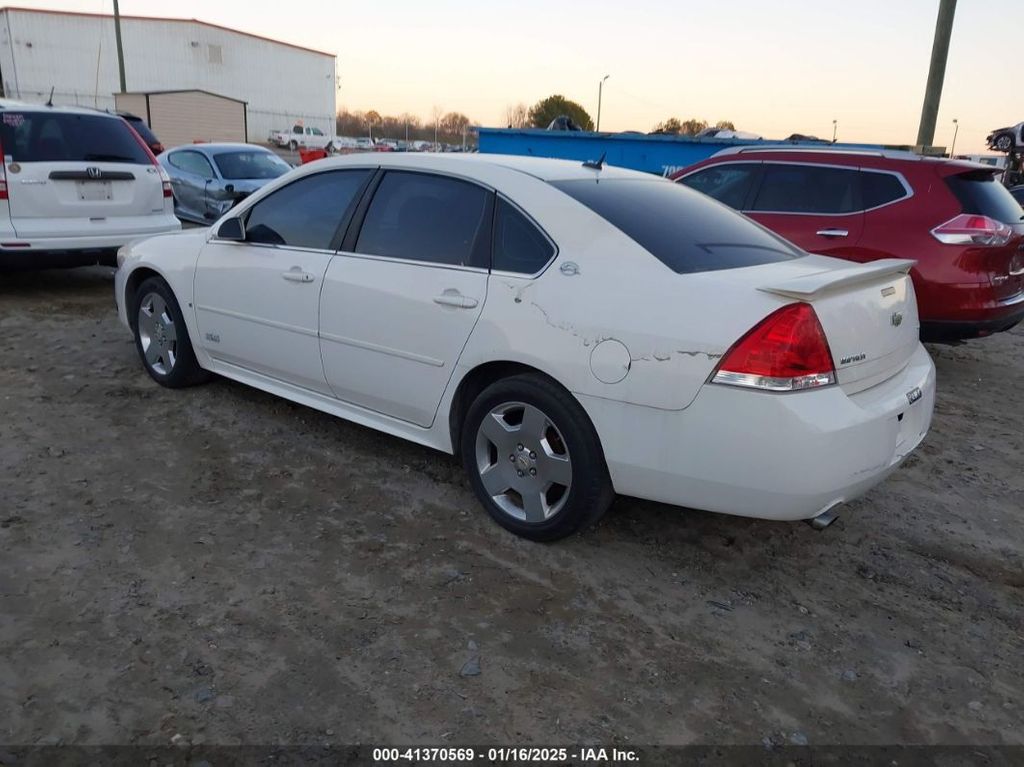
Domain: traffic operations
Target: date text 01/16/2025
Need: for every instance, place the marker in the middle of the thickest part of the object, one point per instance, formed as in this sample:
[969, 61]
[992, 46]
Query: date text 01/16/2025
[504, 754]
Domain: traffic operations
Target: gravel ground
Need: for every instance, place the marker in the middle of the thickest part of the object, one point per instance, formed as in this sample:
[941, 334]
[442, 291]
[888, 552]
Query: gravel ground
[219, 566]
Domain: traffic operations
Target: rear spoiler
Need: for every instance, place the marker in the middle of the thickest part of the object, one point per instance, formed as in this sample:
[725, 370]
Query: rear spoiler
[811, 285]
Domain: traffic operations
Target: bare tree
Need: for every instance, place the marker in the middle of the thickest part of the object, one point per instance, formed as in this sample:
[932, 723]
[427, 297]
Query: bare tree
[517, 115]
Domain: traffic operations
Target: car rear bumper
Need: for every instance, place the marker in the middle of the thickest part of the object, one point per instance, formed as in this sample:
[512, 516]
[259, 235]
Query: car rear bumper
[1003, 315]
[52, 252]
[771, 456]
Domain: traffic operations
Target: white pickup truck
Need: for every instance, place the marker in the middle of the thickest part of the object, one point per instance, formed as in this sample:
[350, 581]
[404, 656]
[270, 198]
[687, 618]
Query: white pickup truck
[301, 137]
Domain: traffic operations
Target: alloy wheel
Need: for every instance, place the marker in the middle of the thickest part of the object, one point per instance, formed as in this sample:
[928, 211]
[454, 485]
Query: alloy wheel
[523, 462]
[157, 334]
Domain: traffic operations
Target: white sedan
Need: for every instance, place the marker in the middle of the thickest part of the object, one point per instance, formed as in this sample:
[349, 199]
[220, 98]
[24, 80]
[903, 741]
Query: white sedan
[570, 331]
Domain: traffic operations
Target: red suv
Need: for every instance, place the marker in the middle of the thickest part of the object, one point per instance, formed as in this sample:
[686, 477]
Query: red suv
[963, 228]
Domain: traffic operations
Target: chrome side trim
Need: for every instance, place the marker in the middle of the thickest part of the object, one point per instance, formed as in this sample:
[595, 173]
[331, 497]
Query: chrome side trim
[257, 320]
[344, 340]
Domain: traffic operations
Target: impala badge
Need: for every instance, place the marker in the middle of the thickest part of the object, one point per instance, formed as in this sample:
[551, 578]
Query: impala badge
[896, 319]
[213, 338]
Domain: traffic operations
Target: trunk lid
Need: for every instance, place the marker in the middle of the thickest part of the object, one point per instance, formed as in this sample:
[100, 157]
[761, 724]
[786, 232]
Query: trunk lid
[868, 313]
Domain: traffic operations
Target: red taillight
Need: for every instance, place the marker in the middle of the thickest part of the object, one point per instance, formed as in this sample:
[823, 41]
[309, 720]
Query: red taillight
[3, 174]
[972, 229]
[786, 351]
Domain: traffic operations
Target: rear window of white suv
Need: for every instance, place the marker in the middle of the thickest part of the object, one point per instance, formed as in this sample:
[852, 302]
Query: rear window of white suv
[54, 136]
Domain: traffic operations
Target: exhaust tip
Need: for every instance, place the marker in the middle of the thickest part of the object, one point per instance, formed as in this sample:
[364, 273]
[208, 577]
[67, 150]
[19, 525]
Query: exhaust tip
[825, 518]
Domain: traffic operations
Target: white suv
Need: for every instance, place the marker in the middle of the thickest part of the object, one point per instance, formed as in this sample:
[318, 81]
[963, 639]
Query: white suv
[76, 185]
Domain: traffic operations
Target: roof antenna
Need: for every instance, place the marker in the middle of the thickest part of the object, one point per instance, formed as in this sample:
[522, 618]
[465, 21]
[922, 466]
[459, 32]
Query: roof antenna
[49, 101]
[598, 164]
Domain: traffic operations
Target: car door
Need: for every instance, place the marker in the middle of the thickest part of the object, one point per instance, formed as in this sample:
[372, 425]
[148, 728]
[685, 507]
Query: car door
[257, 301]
[401, 299]
[191, 176]
[817, 207]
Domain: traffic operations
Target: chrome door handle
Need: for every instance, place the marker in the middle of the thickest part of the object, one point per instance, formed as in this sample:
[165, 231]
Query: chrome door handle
[297, 275]
[456, 299]
[832, 233]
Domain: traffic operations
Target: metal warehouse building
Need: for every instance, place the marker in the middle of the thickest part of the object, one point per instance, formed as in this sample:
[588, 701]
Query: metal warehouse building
[75, 54]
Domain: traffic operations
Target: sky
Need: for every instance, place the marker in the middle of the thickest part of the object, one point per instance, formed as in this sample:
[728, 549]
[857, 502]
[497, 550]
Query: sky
[774, 67]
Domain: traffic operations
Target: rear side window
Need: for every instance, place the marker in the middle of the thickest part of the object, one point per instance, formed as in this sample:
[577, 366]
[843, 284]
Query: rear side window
[684, 230]
[68, 137]
[880, 189]
[306, 213]
[191, 162]
[143, 130]
[807, 189]
[423, 217]
[726, 183]
[979, 193]
[518, 245]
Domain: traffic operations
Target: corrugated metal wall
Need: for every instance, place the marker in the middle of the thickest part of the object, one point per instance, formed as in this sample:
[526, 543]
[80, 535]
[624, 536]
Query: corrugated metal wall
[131, 102]
[77, 55]
[182, 118]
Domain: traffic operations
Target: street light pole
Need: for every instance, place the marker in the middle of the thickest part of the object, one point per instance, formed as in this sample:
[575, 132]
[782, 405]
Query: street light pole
[120, 50]
[835, 128]
[600, 87]
[956, 129]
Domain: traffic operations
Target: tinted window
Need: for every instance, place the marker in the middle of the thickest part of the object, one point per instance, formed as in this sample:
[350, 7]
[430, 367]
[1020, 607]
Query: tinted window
[807, 189]
[1018, 194]
[518, 245]
[191, 162]
[980, 193]
[726, 183]
[686, 231]
[879, 189]
[143, 130]
[248, 164]
[306, 213]
[426, 218]
[68, 137]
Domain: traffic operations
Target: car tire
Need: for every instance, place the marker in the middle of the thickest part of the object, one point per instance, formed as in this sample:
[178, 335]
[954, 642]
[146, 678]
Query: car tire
[329, 149]
[161, 337]
[1003, 142]
[293, 145]
[534, 459]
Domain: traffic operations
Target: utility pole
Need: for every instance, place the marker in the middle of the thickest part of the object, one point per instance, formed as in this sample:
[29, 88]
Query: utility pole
[600, 87]
[120, 50]
[936, 73]
[956, 129]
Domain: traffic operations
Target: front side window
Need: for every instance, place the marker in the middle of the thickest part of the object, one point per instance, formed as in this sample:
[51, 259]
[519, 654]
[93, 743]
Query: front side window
[729, 184]
[518, 245]
[807, 189]
[250, 164]
[191, 162]
[306, 213]
[423, 217]
[684, 230]
[54, 136]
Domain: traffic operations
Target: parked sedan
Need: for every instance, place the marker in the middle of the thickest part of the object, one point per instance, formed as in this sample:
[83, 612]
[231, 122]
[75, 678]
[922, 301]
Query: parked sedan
[568, 330]
[955, 219]
[209, 179]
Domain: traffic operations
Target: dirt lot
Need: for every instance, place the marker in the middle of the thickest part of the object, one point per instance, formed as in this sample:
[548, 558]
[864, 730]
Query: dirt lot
[231, 568]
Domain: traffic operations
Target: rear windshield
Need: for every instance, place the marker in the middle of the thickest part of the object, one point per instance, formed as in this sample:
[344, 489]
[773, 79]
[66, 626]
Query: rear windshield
[67, 137]
[683, 229]
[979, 193]
[247, 164]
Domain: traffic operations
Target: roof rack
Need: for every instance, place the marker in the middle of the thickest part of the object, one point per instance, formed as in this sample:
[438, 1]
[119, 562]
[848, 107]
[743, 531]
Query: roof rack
[888, 153]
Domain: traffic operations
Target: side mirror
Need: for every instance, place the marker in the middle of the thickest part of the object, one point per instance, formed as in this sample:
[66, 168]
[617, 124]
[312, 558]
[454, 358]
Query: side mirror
[232, 230]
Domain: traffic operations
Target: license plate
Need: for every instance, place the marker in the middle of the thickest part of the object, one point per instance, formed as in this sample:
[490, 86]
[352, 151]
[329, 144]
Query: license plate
[93, 191]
